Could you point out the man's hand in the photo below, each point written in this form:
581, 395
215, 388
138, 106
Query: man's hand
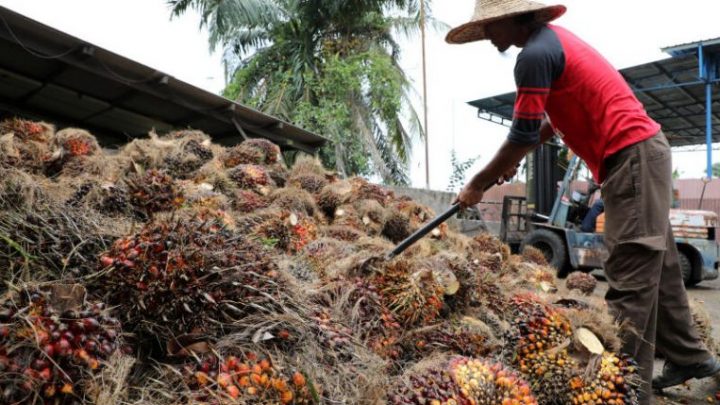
470, 195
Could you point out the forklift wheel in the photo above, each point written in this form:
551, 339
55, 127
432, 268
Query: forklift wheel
552, 246
687, 270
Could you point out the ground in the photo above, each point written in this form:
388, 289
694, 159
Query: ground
696, 391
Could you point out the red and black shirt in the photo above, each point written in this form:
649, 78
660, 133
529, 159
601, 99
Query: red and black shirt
587, 101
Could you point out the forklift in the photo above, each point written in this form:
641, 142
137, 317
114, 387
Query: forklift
549, 219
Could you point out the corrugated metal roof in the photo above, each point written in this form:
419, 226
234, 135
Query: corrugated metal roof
47, 74
680, 110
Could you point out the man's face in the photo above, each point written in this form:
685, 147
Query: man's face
501, 33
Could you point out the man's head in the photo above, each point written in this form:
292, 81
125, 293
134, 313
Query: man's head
504, 22
516, 30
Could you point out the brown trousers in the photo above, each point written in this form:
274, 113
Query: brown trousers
643, 271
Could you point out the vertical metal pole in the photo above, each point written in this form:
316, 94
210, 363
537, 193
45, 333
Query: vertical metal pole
425, 107
708, 127
704, 68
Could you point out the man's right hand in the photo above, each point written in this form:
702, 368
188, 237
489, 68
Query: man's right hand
470, 195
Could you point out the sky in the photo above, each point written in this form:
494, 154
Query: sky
627, 33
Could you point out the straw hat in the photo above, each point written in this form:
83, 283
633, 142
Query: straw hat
487, 11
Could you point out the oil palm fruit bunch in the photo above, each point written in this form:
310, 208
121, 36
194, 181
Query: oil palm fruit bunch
242, 154
372, 215
463, 336
184, 162
107, 198
25, 144
330, 333
414, 295
74, 142
270, 151
247, 378
322, 252
581, 281
397, 226
416, 214
464, 380
372, 321
252, 177
534, 255
364, 190
46, 353
152, 192
72, 152
186, 275
611, 381
343, 233
486, 244
295, 200
246, 201
283, 230
278, 173
310, 182
347, 216
27, 130
539, 336
332, 196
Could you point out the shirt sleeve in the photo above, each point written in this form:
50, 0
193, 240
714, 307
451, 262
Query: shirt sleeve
536, 68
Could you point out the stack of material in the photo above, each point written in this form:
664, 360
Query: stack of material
221, 276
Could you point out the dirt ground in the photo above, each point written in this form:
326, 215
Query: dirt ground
696, 391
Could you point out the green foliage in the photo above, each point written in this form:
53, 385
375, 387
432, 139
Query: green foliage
457, 178
716, 169
328, 66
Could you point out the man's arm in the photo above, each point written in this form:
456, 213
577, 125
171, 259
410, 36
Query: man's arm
502, 167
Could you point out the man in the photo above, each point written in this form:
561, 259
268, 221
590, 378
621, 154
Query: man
565, 87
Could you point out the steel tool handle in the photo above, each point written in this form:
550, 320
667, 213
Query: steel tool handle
410, 240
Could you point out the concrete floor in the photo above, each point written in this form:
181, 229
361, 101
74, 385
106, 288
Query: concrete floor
695, 391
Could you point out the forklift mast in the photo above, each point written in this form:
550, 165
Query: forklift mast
543, 175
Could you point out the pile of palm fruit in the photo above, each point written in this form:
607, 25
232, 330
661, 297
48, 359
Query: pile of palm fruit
224, 275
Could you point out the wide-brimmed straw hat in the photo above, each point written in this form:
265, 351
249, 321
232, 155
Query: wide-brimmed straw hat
487, 11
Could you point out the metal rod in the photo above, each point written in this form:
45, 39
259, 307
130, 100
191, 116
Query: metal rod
425, 107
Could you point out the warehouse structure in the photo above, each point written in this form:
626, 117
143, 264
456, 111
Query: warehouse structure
46, 74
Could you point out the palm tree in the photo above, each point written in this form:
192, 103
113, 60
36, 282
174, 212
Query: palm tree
330, 66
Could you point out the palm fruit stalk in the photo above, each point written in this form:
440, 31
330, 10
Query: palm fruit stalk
152, 192
464, 380
182, 276
47, 354
247, 378
581, 281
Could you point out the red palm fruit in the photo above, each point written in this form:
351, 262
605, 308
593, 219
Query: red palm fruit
224, 380
45, 374
232, 391
298, 379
